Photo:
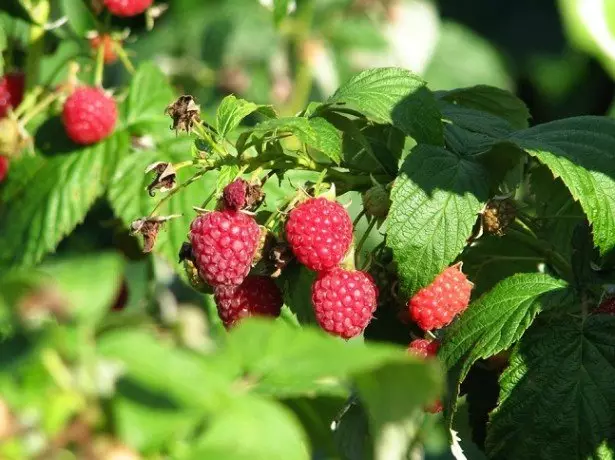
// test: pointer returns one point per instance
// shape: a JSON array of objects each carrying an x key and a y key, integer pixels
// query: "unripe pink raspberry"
[
  {"x": 319, "y": 232},
  {"x": 89, "y": 115},
  {"x": 344, "y": 301},
  {"x": 127, "y": 8},
  {"x": 426, "y": 349},
  {"x": 223, "y": 246},
  {"x": 256, "y": 296},
  {"x": 234, "y": 195},
  {"x": 436, "y": 305}
]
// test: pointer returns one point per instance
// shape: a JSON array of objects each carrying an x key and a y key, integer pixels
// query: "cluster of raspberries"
[{"x": 318, "y": 232}]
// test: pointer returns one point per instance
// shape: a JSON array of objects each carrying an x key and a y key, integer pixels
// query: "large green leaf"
[
  {"x": 495, "y": 101},
  {"x": 580, "y": 151},
  {"x": 435, "y": 202},
  {"x": 89, "y": 284},
  {"x": 129, "y": 198},
  {"x": 148, "y": 96},
  {"x": 253, "y": 428},
  {"x": 328, "y": 139},
  {"x": 48, "y": 202},
  {"x": 187, "y": 379},
  {"x": 396, "y": 96},
  {"x": 262, "y": 350},
  {"x": 557, "y": 395},
  {"x": 498, "y": 319}
]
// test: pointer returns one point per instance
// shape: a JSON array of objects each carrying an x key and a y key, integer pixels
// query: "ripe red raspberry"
[
  {"x": 344, "y": 301},
  {"x": 436, "y": 305},
  {"x": 223, "y": 245},
  {"x": 607, "y": 306},
  {"x": 89, "y": 115},
  {"x": 11, "y": 91},
  {"x": 426, "y": 349},
  {"x": 234, "y": 195},
  {"x": 107, "y": 43},
  {"x": 256, "y": 296},
  {"x": 127, "y": 8},
  {"x": 319, "y": 232},
  {"x": 4, "y": 167}
]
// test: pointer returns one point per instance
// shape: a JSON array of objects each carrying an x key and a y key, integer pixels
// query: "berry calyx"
[
  {"x": 344, "y": 301},
  {"x": 319, "y": 232},
  {"x": 256, "y": 296},
  {"x": 127, "y": 8},
  {"x": 11, "y": 91},
  {"x": 426, "y": 349},
  {"x": 4, "y": 167},
  {"x": 107, "y": 43},
  {"x": 223, "y": 246},
  {"x": 89, "y": 115},
  {"x": 435, "y": 305},
  {"x": 607, "y": 306}
]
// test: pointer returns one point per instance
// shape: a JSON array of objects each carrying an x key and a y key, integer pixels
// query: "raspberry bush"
[{"x": 375, "y": 269}]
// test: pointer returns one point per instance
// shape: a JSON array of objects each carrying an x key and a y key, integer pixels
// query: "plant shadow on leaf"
[{"x": 51, "y": 139}]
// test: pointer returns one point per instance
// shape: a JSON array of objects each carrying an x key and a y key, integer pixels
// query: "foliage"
[{"x": 105, "y": 346}]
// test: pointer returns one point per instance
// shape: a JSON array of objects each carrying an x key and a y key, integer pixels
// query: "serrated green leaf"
[
  {"x": 89, "y": 284},
  {"x": 580, "y": 151},
  {"x": 129, "y": 199},
  {"x": 435, "y": 202},
  {"x": 328, "y": 139},
  {"x": 148, "y": 96},
  {"x": 266, "y": 429},
  {"x": 498, "y": 319},
  {"x": 79, "y": 16},
  {"x": 231, "y": 112},
  {"x": 49, "y": 202},
  {"x": 495, "y": 101},
  {"x": 557, "y": 395},
  {"x": 298, "y": 292},
  {"x": 298, "y": 126},
  {"x": 396, "y": 96},
  {"x": 494, "y": 258}
]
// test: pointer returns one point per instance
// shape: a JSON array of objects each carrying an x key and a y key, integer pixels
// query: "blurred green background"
[{"x": 559, "y": 57}]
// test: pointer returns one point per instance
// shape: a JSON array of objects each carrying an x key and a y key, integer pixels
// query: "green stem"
[
  {"x": 365, "y": 235},
  {"x": 182, "y": 186},
  {"x": 36, "y": 43},
  {"x": 100, "y": 66},
  {"x": 358, "y": 218},
  {"x": 38, "y": 108},
  {"x": 121, "y": 53},
  {"x": 202, "y": 132},
  {"x": 554, "y": 258}
]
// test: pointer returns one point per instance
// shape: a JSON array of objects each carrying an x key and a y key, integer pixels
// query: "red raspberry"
[
  {"x": 234, "y": 194},
  {"x": 223, "y": 245},
  {"x": 344, "y": 301},
  {"x": 4, "y": 167},
  {"x": 426, "y": 349},
  {"x": 607, "y": 306},
  {"x": 319, "y": 232},
  {"x": 11, "y": 91},
  {"x": 256, "y": 296},
  {"x": 436, "y": 305},
  {"x": 106, "y": 42},
  {"x": 89, "y": 115},
  {"x": 127, "y": 8}
]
